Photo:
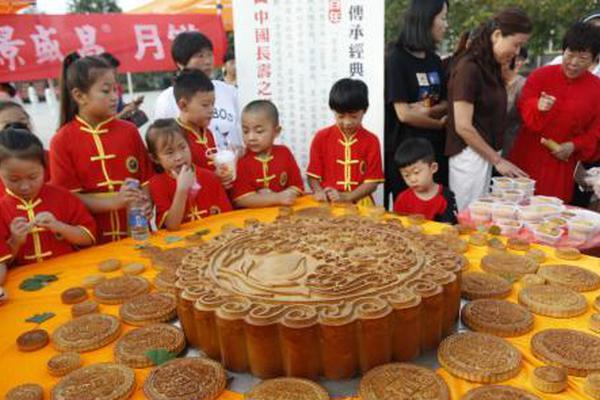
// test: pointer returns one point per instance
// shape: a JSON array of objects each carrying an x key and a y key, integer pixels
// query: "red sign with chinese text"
[{"x": 33, "y": 46}]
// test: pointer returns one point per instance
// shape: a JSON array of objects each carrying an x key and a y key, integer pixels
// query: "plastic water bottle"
[{"x": 138, "y": 223}]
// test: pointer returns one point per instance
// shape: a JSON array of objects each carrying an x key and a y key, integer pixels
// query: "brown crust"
[
  {"x": 532, "y": 279},
  {"x": 509, "y": 266},
  {"x": 481, "y": 285},
  {"x": 518, "y": 244},
  {"x": 27, "y": 391},
  {"x": 134, "y": 269},
  {"x": 591, "y": 386},
  {"x": 74, "y": 295},
  {"x": 497, "y": 317},
  {"x": 33, "y": 340},
  {"x": 597, "y": 303},
  {"x": 63, "y": 363},
  {"x": 287, "y": 388},
  {"x": 169, "y": 259},
  {"x": 479, "y": 357},
  {"x": 92, "y": 280},
  {"x": 86, "y": 333},
  {"x": 148, "y": 309},
  {"x": 549, "y": 379},
  {"x": 571, "y": 276},
  {"x": 117, "y": 383},
  {"x": 536, "y": 255},
  {"x": 567, "y": 253},
  {"x": 553, "y": 301},
  {"x": 393, "y": 381},
  {"x": 595, "y": 323},
  {"x": 499, "y": 392},
  {"x": 196, "y": 378},
  {"x": 576, "y": 351},
  {"x": 110, "y": 265},
  {"x": 87, "y": 307},
  {"x": 117, "y": 290},
  {"x": 132, "y": 347}
]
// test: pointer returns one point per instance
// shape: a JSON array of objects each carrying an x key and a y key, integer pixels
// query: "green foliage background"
[
  {"x": 551, "y": 17},
  {"x": 93, "y": 6}
]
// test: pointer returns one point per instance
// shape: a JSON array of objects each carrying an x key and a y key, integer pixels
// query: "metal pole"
[{"x": 130, "y": 85}]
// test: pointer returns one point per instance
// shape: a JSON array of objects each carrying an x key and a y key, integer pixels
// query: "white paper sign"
[{"x": 292, "y": 51}]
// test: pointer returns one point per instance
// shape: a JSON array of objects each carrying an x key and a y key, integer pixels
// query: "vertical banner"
[{"x": 292, "y": 51}]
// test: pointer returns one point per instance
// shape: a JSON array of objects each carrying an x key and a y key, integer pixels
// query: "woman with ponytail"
[
  {"x": 94, "y": 154},
  {"x": 477, "y": 106}
]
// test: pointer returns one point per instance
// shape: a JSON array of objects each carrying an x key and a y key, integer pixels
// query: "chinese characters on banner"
[
  {"x": 33, "y": 46},
  {"x": 292, "y": 52}
]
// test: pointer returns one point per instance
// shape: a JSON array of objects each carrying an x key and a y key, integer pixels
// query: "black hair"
[
  {"x": 230, "y": 55},
  {"x": 166, "y": 129},
  {"x": 511, "y": 21},
  {"x": 266, "y": 106},
  {"x": 17, "y": 141},
  {"x": 418, "y": 20},
  {"x": 78, "y": 73},
  {"x": 349, "y": 95},
  {"x": 412, "y": 151},
  {"x": 110, "y": 59},
  {"x": 188, "y": 43},
  {"x": 188, "y": 82},
  {"x": 8, "y": 88},
  {"x": 583, "y": 37}
]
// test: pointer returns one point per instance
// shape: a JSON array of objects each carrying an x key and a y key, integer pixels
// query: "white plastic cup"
[{"x": 226, "y": 159}]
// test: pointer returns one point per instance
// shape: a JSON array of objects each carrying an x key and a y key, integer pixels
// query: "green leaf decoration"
[
  {"x": 40, "y": 318},
  {"x": 173, "y": 239},
  {"x": 141, "y": 246},
  {"x": 37, "y": 282},
  {"x": 202, "y": 232},
  {"x": 160, "y": 356}
]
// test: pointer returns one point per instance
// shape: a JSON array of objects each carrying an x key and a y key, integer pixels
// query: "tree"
[
  {"x": 94, "y": 6},
  {"x": 551, "y": 18}
]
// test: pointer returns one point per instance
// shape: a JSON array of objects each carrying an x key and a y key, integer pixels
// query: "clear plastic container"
[
  {"x": 580, "y": 229},
  {"x": 505, "y": 212},
  {"x": 481, "y": 207},
  {"x": 538, "y": 212},
  {"x": 502, "y": 183},
  {"x": 547, "y": 236},
  {"x": 480, "y": 218},
  {"x": 545, "y": 200},
  {"x": 513, "y": 195},
  {"x": 525, "y": 184},
  {"x": 509, "y": 227}
]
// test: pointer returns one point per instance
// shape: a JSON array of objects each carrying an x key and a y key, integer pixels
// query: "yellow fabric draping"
[{"x": 17, "y": 367}]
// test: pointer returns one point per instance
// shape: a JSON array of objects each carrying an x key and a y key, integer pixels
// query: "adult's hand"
[
  {"x": 506, "y": 168},
  {"x": 546, "y": 102},
  {"x": 564, "y": 151}
]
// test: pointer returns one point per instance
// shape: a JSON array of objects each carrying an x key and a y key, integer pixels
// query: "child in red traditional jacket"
[
  {"x": 182, "y": 191},
  {"x": 94, "y": 154},
  {"x": 38, "y": 221},
  {"x": 267, "y": 175},
  {"x": 345, "y": 158}
]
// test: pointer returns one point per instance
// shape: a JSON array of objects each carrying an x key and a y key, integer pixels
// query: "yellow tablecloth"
[{"x": 17, "y": 367}]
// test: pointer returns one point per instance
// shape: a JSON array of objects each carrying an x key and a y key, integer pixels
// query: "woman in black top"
[{"x": 416, "y": 88}]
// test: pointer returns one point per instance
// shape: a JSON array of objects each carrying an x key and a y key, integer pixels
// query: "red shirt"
[
  {"x": 42, "y": 244},
  {"x": 46, "y": 173},
  {"x": 88, "y": 160},
  {"x": 441, "y": 207},
  {"x": 211, "y": 198},
  {"x": 575, "y": 117},
  {"x": 276, "y": 171},
  {"x": 342, "y": 162},
  {"x": 200, "y": 143}
]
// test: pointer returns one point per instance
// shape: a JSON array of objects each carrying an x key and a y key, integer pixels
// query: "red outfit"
[
  {"x": 276, "y": 171},
  {"x": 575, "y": 117},
  {"x": 441, "y": 207},
  {"x": 97, "y": 161},
  {"x": 46, "y": 173},
  {"x": 342, "y": 162},
  {"x": 209, "y": 200},
  {"x": 200, "y": 143},
  {"x": 42, "y": 244}
]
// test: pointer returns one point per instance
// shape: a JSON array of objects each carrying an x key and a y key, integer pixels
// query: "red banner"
[{"x": 33, "y": 46}]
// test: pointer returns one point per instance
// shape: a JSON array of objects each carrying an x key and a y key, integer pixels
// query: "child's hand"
[
  {"x": 19, "y": 228},
  {"x": 128, "y": 194},
  {"x": 185, "y": 179},
  {"x": 225, "y": 175},
  {"x": 336, "y": 196},
  {"x": 546, "y": 102},
  {"x": 288, "y": 197},
  {"x": 47, "y": 220},
  {"x": 320, "y": 196}
]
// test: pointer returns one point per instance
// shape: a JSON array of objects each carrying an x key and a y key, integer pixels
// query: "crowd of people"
[{"x": 445, "y": 138}]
